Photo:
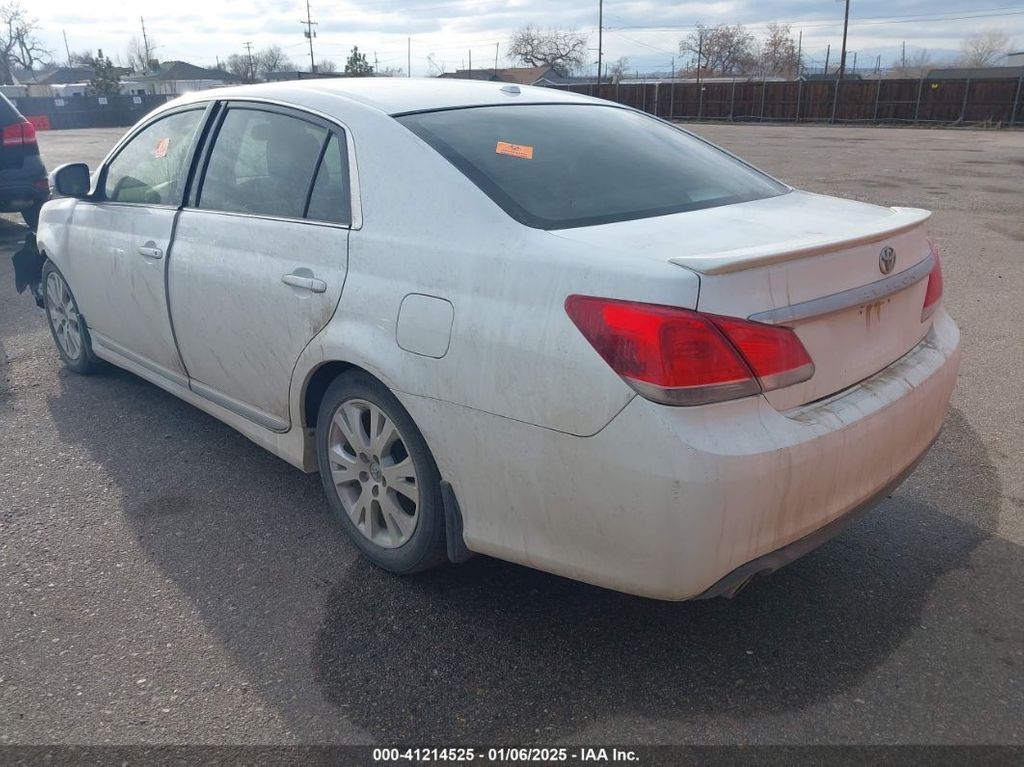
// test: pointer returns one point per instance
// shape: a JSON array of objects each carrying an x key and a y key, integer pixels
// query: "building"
[
  {"x": 177, "y": 77},
  {"x": 542, "y": 75},
  {"x": 1015, "y": 59},
  {"x": 976, "y": 73}
]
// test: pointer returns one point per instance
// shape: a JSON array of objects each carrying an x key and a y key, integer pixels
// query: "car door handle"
[
  {"x": 150, "y": 250},
  {"x": 311, "y": 284}
]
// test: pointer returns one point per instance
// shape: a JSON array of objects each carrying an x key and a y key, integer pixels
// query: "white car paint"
[{"x": 458, "y": 309}]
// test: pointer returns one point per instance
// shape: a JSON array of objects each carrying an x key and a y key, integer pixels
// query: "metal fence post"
[
  {"x": 878, "y": 96},
  {"x": 799, "y": 99},
  {"x": 643, "y": 97},
  {"x": 764, "y": 92},
  {"x": 671, "y": 100},
  {"x": 1016, "y": 102},
  {"x": 835, "y": 100},
  {"x": 963, "y": 106},
  {"x": 700, "y": 97},
  {"x": 656, "y": 86},
  {"x": 920, "y": 87}
]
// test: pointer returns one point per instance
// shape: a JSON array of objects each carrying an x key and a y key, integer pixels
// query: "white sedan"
[{"x": 512, "y": 321}]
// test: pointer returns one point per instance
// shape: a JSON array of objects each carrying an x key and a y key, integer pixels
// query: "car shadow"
[{"x": 490, "y": 651}]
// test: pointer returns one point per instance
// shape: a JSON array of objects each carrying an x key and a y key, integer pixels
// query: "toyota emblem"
[{"x": 886, "y": 260}]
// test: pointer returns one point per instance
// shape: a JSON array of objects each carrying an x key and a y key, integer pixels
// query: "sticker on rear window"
[
  {"x": 514, "y": 150},
  {"x": 161, "y": 148}
]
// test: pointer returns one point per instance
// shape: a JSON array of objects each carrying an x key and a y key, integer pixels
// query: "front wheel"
[
  {"x": 66, "y": 323},
  {"x": 380, "y": 476}
]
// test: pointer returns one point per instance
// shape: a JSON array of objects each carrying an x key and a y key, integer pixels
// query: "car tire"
[
  {"x": 31, "y": 216},
  {"x": 379, "y": 475},
  {"x": 67, "y": 325}
]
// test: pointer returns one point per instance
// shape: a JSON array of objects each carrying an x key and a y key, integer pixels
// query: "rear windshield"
[{"x": 556, "y": 166}]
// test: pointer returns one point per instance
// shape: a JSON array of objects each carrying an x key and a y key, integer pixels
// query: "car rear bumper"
[
  {"x": 677, "y": 503},
  {"x": 23, "y": 187}
]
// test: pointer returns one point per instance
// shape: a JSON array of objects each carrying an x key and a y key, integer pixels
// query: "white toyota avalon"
[{"x": 512, "y": 321}]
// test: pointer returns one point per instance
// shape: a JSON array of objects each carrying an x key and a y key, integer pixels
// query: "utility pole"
[
  {"x": 600, "y": 37},
  {"x": 470, "y": 63},
  {"x": 700, "y": 61},
  {"x": 66, "y": 46},
  {"x": 310, "y": 34},
  {"x": 375, "y": 70},
  {"x": 408, "y": 56},
  {"x": 828, "y": 53},
  {"x": 800, "y": 54},
  {"x": 842, "y": 57},
  {"x": 496, "y": 58},
  {"x": 854, "y": 67},
  {"x": 903, "y": 58},
  {"x": 252, "y": 66},
  {"x": 145, "y": 46}
]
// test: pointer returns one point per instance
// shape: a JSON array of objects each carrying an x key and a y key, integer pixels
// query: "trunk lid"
[{"x": 803, "y": 261}]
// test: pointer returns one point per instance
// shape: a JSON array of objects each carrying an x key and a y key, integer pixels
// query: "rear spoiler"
[{"x": 902, "y": 220}]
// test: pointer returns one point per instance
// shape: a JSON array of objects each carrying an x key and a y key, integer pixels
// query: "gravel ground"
[{"x": 162, "y": 580}]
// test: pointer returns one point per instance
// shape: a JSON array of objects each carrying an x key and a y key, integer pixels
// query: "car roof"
[{"x": 399, "y": 95}]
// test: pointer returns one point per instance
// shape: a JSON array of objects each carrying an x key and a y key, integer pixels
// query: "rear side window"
[
  {"x": 150, "y": 169},
  {"x": 262, "y": 163},
  {"x": 330, "y": 198},
  {"x": 8, "y": 112},
  {"x": 555, "y": 166}
]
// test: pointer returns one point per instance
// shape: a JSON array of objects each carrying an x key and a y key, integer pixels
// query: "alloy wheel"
[
  {"x": 373, "y": 473},
  {"x": 63, "y": 315}
]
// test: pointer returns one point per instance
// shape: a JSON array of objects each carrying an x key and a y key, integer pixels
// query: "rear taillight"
[
  {"x": 19, "y": 134},
  {"x": 933, "y": 293},
  {"x": 682, "y": 357}
]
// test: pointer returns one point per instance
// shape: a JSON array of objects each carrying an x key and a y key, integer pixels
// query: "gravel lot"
[{"x": 162, "y": 580}]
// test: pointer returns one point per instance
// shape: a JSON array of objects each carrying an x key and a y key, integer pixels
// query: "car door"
[
  {"x": 260, "y": 255},
  {"x": 121, "y": 238}
]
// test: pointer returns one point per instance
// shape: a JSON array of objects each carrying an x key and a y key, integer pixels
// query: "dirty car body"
[{"x": 634, "y": 359}]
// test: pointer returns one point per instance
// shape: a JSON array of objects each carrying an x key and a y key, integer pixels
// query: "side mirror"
[{"x": 71, "y": 180}]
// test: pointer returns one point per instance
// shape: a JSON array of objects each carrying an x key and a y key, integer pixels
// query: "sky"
[{"x": 443, "y": 34}]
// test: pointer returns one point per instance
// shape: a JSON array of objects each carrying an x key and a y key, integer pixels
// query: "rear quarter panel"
[{"x": 513, "y": 352}]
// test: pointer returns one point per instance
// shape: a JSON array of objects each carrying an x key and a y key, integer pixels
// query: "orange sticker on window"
[
  {"x": 514, "y": 150},
  {"x": 161, "y": 147}
]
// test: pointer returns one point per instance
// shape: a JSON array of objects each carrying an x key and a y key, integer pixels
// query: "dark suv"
[{"x": 23, "y": 184}]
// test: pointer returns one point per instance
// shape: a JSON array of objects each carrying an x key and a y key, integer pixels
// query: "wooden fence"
[{"x": 957, "y": 102}]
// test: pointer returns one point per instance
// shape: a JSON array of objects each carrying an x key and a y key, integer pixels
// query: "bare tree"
[
  {"x": 238, "y": 64},
  {"x": 984, "y": 49},
  {"x": 617, "y": 69},
  {"x": 392, "y": 72},
  {"x": 272, "y": 59},
  {"x": 19, "y": 45},
  {"x": 722, "y": 50},
  {"x": 564, "y": 49},
  {"x": 917, "y": 66},
  {"x": 326, "y": 66},
  {"x": 139, "y": 58},
  {"x": 778, "y": 54}
]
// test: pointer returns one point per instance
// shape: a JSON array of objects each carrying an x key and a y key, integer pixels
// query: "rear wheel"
[
  {"x": 379, "y": 475},
  {"x": 67, "y": 326}
]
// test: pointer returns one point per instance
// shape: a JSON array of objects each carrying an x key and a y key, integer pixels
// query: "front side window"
[
  {"x": 555, "y": 166},
  {"x": 151, "y": 168},
  {"x": 262, "y": 163}
]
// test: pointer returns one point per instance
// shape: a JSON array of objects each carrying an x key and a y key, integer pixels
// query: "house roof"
[
  {"x": 518, "y": 75},
  {"x": 182, "y": 70},
  {"x": 65, "y": 75},
  {"x": 975, "y": 73}
]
